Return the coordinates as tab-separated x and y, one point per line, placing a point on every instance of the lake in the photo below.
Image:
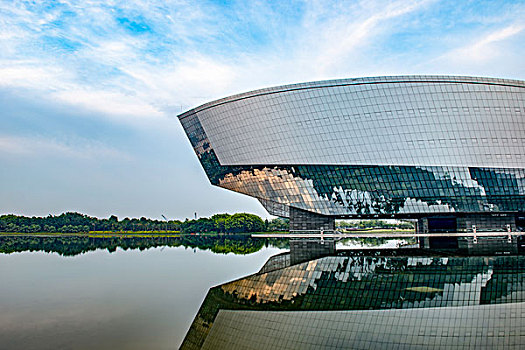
125	299
145	292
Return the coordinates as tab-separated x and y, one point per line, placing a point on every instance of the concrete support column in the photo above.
487	222
422	225
305	220
305	249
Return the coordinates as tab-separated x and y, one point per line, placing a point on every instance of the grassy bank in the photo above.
95	234
379	230
137	234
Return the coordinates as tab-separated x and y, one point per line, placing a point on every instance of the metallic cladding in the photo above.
370	146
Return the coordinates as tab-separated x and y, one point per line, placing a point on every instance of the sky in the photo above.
90	90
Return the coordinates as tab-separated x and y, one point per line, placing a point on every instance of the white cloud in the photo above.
484	48
108	102
342	34
21	146
58	84
74	59
32	74
182	61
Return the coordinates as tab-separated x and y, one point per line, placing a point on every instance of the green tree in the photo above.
219	221
243	222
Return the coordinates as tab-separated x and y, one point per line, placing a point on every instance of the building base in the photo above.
302	220
309	249
467	223
471	224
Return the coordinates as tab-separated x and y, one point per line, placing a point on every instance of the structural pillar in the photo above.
302	220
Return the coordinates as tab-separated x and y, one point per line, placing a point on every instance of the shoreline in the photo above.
172	234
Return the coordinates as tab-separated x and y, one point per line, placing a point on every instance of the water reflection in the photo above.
75	245
314	296
126	299
220	244
408	298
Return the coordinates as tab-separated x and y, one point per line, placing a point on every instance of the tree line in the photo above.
363	224
236	223
72	222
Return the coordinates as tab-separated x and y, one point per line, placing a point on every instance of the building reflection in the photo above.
316	297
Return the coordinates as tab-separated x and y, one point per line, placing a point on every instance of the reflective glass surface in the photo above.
386	145
366	300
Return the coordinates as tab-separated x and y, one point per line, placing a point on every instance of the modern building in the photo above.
448	151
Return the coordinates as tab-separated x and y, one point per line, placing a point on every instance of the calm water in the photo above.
144	293
369	299
127	299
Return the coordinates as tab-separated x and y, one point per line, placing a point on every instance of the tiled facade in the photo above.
384	146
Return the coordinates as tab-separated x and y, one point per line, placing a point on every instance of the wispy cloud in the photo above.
21	146
81	79
180	53
485	48
344	32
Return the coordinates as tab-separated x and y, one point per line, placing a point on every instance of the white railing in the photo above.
337	234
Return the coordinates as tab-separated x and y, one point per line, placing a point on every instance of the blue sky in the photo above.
90	90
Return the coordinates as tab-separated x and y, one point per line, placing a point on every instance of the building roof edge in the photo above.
356	81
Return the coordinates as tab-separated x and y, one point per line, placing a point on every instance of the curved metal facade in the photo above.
370	146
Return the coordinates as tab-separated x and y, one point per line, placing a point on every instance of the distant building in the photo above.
446	150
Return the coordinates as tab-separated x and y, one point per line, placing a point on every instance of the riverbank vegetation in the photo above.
375	224
77	223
